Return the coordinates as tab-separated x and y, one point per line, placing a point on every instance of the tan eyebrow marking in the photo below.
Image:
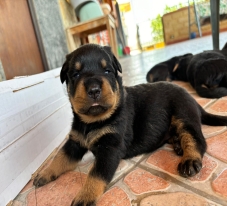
78	65
103	62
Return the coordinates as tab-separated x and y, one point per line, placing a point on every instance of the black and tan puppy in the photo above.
164	71
206	72
116	122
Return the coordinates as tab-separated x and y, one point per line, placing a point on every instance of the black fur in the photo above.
206	72
145	117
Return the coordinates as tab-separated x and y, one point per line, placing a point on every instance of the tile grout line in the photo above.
135	164
170	178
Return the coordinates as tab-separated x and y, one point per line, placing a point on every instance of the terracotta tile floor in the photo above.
151	179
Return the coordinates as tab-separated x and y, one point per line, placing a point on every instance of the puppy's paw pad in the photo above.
189	167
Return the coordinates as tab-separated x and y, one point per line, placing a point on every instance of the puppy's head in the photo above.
91	75
180	68
170	69
159	72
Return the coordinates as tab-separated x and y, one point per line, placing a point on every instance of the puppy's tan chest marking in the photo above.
92	137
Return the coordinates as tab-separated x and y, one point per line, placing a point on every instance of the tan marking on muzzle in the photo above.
110	98
80	97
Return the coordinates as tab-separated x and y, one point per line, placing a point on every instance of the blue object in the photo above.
193	35
90	10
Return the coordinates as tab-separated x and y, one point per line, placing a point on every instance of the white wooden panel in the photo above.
35	117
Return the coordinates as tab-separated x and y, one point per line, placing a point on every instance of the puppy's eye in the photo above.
107	71
75	75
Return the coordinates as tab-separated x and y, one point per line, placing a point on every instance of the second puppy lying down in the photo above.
206	72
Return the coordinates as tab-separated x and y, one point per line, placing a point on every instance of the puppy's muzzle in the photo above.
93	88
94	91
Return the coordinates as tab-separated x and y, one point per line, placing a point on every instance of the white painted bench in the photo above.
35	117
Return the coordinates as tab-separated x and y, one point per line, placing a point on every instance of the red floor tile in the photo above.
174	199
209	131
219	185
114	197
168	161
59	192
219	106
141	181
217	146
204	102
185	85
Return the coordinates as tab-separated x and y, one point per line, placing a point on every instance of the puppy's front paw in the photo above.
190	167
43	178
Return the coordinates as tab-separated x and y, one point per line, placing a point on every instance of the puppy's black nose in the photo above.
94	91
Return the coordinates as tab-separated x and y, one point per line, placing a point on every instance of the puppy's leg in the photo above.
65	160
175	141
192	144
107	159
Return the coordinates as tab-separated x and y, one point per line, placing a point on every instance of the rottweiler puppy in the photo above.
164	71
206	72
116	122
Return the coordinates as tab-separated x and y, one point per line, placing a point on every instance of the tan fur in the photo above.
151	78
175	68
79	100
204	86
60	164
103	62
189	147
92	190
78	65
95	135
187	142
77	137
110	97
92	136
215	86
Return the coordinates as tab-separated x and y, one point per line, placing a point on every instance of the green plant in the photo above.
156	24
157	29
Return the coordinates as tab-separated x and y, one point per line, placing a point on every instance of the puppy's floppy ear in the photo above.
116	63
184	58
65	68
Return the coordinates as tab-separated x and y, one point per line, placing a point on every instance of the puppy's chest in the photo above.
87	138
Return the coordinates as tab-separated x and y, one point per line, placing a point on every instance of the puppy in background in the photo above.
164	71
206	72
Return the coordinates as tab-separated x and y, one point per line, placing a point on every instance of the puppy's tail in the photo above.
204	91
212	119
